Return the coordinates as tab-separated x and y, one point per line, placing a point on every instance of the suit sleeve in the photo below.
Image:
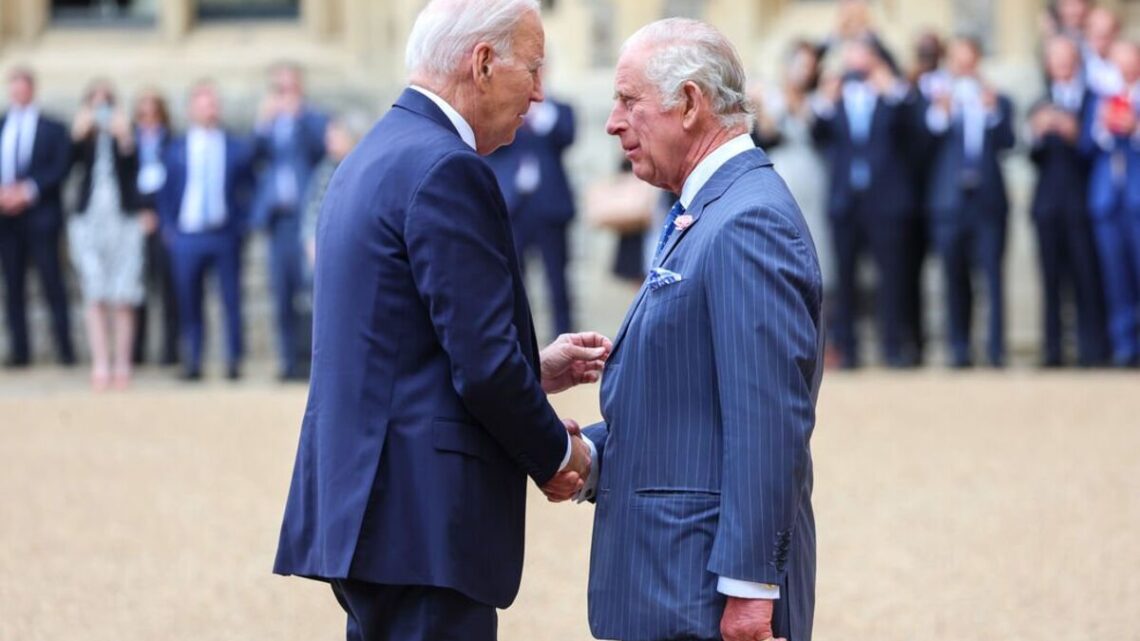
1004	138
763	287
50	175
458	240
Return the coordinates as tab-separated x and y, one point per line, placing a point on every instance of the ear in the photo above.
482	59
692	104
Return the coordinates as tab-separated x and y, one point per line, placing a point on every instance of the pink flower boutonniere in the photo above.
683	221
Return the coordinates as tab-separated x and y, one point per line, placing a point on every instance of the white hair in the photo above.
447	31
684	50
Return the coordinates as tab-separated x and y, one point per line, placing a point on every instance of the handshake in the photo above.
573	359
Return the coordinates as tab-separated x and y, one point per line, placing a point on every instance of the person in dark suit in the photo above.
539	197
204	205
153	134
290	136
1112	139
971	125
1064	239
703	527
35	157
428	403
865	129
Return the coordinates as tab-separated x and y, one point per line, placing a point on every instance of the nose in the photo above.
616	122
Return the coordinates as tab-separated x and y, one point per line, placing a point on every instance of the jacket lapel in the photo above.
710	193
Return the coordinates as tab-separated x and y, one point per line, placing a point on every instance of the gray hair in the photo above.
684	50
447	31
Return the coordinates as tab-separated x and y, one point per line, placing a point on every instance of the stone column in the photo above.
31	18
1015	31
319	17
176	18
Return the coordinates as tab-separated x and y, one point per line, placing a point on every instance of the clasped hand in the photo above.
566	484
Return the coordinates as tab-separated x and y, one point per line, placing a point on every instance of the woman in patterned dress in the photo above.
105	237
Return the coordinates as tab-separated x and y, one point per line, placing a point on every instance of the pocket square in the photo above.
660	277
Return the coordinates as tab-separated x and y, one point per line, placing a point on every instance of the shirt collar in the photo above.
457	121
711	163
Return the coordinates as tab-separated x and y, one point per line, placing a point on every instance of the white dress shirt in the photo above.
204	199
693	184
468	136
17	142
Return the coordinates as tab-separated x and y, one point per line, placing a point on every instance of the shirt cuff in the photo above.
994	118
569	451
32	190
823	108
747	589
937	120
896	94
590	488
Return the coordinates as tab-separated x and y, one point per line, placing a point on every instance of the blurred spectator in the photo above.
865	126
1067	256
35	158
972	125
1102	28
784	121
1113	141
106	238
341	137
152	135
539	198
203	208
853	23
627	206
290	138
1065	18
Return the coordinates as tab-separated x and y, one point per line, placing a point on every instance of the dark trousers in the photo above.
287	279
192	256
1117	236
917	247
1069	269
551	241
159	280
861	228
412	613
19	244
970	240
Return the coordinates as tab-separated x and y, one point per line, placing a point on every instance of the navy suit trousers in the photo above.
412	613
192	255
286	272
970	239
1117	236
552	242
1069	263
21	244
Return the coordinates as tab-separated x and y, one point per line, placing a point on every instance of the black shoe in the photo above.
960	362
191	375
14	362
233	372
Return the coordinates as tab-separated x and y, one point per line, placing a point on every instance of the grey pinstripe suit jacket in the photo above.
709	405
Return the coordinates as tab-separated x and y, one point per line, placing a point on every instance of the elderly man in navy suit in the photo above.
203	206
35	157
971	125
703	527
428	407
290	141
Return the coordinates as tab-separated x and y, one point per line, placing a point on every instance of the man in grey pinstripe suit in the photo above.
703	527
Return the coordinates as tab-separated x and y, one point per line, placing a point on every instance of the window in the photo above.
238	9
95	12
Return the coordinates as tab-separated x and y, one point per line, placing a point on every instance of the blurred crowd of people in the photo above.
890	165
151	211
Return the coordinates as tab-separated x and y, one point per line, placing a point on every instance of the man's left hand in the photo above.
747	620
573	359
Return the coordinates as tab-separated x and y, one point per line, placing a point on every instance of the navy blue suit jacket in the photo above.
48	167
887	151
945	194
709	406
1062	170
553	201
1105	194
239	180
305	151
426	411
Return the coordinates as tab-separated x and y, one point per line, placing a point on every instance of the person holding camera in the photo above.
105	237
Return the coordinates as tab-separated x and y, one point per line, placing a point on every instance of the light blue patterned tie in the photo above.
676	211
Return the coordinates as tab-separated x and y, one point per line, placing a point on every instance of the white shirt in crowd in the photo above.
204	201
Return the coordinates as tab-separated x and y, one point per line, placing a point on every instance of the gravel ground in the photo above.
981	505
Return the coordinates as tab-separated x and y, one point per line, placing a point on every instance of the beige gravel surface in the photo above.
974	506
